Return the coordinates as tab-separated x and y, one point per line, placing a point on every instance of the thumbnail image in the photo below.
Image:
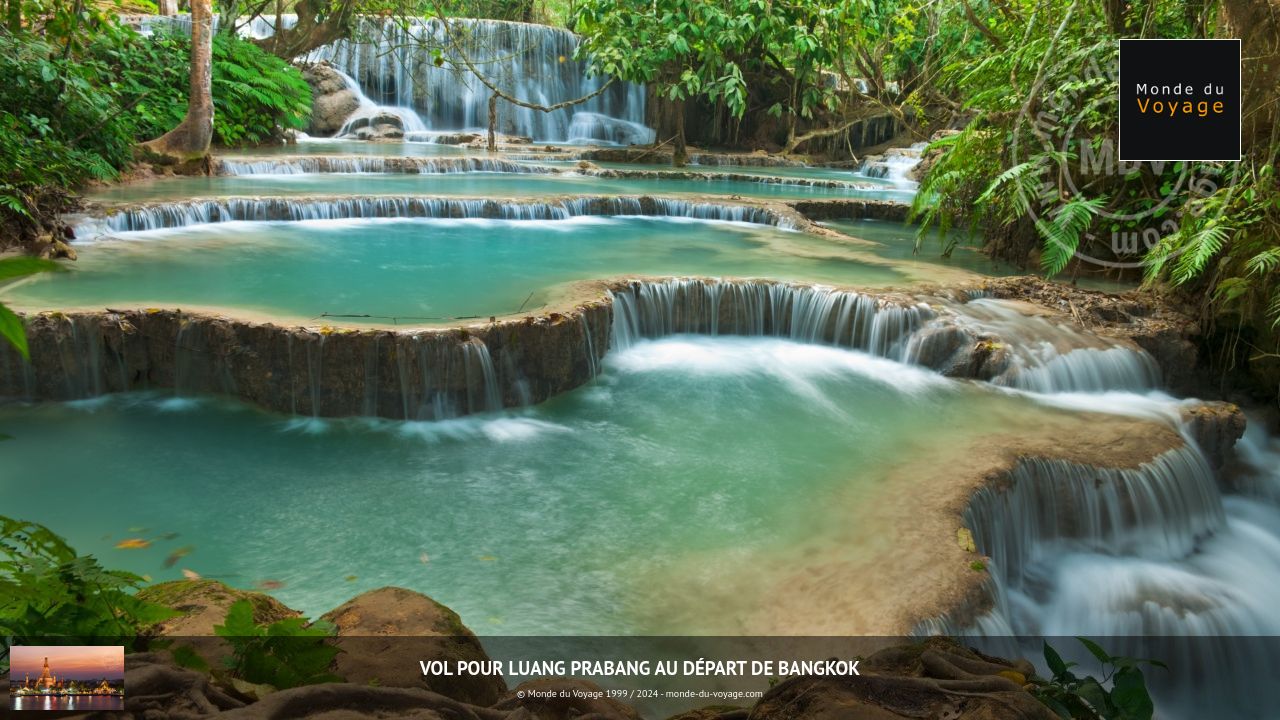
83	678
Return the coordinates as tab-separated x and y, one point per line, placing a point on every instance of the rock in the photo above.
332	100
1215	426
379	126
543	701
934	679
371	632
202	604
930	157
47	247
459	138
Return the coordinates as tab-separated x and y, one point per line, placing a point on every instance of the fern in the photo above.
1062	231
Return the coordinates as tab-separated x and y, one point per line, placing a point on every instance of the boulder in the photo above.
204	603
544	699
379	126
1215	426
332	100
373	629
201	605
930	157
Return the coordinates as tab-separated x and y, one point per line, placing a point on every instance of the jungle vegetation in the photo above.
81	91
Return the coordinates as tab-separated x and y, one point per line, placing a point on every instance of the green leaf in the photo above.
1096	650
1054	660
239	622
22	266
1130	697
13	330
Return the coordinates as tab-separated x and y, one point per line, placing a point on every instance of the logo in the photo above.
1128	200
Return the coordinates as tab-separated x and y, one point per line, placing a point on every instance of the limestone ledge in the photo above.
324	371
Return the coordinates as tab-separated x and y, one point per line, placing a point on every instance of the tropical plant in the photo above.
47	591
815	65
11	328
1035	172
1120	694
287	653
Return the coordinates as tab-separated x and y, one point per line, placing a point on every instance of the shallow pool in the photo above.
471	184
421	269
630	505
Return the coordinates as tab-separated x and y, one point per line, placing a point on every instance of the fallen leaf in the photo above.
488	558
352	578
270	584
177	555
424	559
133	544
190	574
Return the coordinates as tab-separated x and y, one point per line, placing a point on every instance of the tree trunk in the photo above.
493	122
1257	24
680	155
167	7
190	140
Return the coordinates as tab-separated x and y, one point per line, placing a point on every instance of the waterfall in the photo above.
372	164
368	112
155	216
894	165
476	353
396	64
804	313
1047	356
1160	510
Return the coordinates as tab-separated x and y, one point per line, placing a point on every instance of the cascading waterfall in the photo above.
369	112
155	216
395	64
894	165
1154	561
804	313
1046	356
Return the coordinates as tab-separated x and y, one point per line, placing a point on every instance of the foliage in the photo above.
80	91
48	591
57	128
11	327
797	61
287	653
1037	159
255	94
1088	697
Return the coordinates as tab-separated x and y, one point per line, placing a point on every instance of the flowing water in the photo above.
417	268
739	456
467	184
683	447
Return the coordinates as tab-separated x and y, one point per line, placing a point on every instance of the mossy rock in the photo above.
204	604
385	632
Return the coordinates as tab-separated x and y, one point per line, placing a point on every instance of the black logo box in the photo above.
1194	65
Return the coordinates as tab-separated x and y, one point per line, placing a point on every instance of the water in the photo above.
416	268
581	515
471	184
395	64
896	241
67	703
